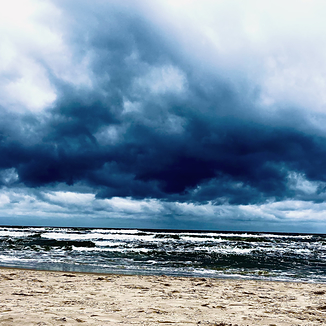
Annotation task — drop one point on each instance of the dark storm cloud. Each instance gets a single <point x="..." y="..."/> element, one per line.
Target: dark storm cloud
<point x="203" y="142"/>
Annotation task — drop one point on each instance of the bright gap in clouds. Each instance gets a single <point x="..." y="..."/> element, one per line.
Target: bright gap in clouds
<point x="23" y="42"/>
<point x="16" y="13"/>
<point x="32" y="47"/>
<point x="269" y="44"/>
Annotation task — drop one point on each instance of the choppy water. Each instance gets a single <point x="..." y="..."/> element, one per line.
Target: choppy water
<point x="206" y="254"/>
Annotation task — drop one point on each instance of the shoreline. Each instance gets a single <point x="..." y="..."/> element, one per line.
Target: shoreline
<point x="227" y="278"/>
<point x="224" y="277"/>
<point x="37" y="297"/>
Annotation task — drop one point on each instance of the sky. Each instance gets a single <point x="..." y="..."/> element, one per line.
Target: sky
<point x="179" y="114"/>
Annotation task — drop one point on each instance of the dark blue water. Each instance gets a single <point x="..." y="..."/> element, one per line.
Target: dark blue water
<point x="290" y="257"/>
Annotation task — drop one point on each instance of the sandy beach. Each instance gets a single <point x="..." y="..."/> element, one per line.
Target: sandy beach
<point x="63" y="298"/>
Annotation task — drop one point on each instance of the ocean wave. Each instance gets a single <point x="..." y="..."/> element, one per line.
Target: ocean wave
<point x="211" y="254"/>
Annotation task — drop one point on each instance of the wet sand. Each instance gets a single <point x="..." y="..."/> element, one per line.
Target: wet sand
<point x="60" y="298"/>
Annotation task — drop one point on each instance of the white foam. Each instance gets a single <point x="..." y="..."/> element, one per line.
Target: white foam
<point x="246" y="235"/>
<point x="4" y="258"/>
<point x="97" y="236"/>
<point x="15" y="234"/>
<point x="108" y="243"/>
<point x="144" y="250"/>
<point x="201" y="239"/>
<point x="122" y="231"/>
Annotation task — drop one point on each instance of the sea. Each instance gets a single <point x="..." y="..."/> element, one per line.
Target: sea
<point x="238" y="255"/>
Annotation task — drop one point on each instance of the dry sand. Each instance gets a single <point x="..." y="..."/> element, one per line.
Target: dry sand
<point x="61" y="298"/>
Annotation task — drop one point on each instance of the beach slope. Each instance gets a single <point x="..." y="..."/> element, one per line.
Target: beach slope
<point x="62" y="298"/>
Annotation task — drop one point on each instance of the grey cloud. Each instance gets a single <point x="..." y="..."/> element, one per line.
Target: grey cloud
<point x="190" y="135"/>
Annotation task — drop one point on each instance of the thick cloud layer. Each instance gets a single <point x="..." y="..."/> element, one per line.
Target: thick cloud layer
<point x="134" y="114"/>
